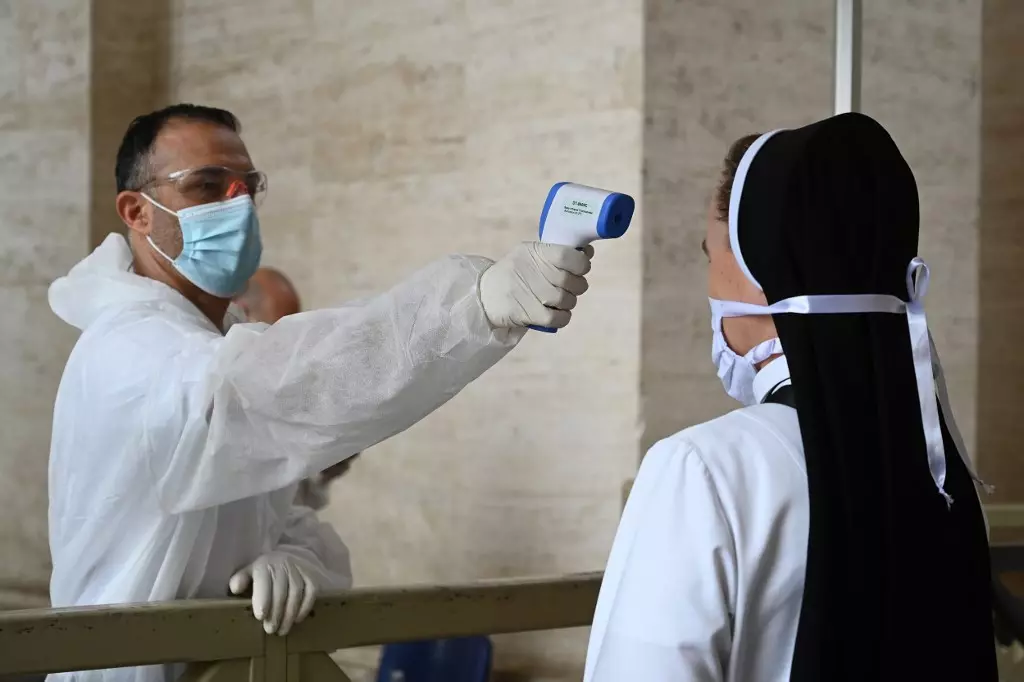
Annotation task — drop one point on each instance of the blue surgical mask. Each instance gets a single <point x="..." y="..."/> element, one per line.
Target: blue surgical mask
<point x="222" y="246"/>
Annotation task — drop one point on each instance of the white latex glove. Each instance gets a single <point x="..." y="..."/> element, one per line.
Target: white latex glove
<point x="283" y="590"/>
<point x="537" y="284"/>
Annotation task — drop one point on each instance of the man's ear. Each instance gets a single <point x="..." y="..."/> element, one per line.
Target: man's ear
<point x="131" y="208"/>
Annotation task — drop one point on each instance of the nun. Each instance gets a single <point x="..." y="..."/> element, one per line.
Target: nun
<point x="830" y="529"/>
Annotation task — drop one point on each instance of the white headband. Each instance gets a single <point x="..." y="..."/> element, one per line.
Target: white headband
<point x="734" y="203"/>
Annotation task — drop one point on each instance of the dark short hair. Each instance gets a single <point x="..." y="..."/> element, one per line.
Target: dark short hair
<point x="729" y="167"/>
<point x="133" y="154"/>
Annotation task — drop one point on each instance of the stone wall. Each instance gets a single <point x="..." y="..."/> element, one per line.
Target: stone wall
<point x="44" y="201"/>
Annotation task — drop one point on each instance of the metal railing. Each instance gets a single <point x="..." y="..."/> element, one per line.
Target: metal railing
<point x="1007" y="560"/>
<point x="205" y="631"/>
<point x="222" y="642"/>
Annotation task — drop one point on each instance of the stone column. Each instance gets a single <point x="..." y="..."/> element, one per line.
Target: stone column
<point x="1001" y="252"/>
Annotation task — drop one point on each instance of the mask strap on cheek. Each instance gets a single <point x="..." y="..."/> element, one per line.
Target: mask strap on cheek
<point x="721" y="309"/>
<point x="158" y="204"/>
<point x="764" y="350"/>
<point x="149" y="238"/>
<point x="158" y="249"/>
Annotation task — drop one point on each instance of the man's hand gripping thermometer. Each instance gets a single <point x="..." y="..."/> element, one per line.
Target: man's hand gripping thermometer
<point x="575" y="215"/>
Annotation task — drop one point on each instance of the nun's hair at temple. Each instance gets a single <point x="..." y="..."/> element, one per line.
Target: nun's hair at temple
<point x="729" y="166"/>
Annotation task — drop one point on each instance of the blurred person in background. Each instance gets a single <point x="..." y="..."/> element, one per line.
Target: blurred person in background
<point x="176" y="448"/>
<point x="269" y="296"/>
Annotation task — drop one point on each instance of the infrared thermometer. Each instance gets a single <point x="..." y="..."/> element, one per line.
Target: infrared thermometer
<point x="576" y="215"/>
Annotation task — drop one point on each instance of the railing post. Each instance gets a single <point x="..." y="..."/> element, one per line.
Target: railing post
<point x="314" y="667"/>
<point x="237" y="670"/>
<point x="275" y="658"/>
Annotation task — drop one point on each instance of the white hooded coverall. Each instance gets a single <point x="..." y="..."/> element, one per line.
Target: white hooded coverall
<point x="176" y="450"/>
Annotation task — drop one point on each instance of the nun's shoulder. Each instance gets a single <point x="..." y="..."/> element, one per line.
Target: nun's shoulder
<point x="744" y="449"/>
<point x="748" y="429"/>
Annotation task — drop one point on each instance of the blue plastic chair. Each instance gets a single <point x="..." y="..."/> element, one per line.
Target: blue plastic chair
<point x="466" y="659"/>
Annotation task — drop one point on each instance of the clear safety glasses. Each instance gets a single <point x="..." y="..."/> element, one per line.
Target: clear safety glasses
<point x="208" y="184"/>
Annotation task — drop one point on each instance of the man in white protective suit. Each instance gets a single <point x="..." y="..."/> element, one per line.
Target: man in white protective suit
<point x="176" y="448"/>
<point x="268" y="296"/>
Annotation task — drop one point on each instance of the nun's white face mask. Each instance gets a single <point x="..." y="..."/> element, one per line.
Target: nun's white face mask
<point x="728" y="285"/>
<point x="734" y="370"/>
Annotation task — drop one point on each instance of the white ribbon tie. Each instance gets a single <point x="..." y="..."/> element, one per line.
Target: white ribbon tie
<point x="922" y="349"/>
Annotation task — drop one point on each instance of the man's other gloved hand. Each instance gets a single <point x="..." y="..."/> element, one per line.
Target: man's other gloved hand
<point x="537" y="284"/>
<point x="283" y="590"/>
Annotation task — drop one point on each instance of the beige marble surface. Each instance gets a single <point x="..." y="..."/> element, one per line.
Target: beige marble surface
<point x="128" y="56"/>
<point x="1001" y="251"/>
<point x="44" y="161"/>
<point x="714" y="71"/>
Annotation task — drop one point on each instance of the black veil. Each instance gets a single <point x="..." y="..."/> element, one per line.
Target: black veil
<point x="897" y="584"/>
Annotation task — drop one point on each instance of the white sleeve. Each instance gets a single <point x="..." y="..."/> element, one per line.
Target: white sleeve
<point x="663" y="614"/>
<point x="318" y="546"/>
<point x="276" y="404"/>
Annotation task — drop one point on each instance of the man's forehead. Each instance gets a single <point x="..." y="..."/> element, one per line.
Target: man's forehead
<point x="189" y="144"/>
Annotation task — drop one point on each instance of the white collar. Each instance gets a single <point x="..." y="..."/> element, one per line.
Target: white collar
<point x="104" y="280"/>
<point x="773" y="375"/>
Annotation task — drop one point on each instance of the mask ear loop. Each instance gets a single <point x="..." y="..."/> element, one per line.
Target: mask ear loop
<point x="158" y="204"/>
<point x="149" y="238"/>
